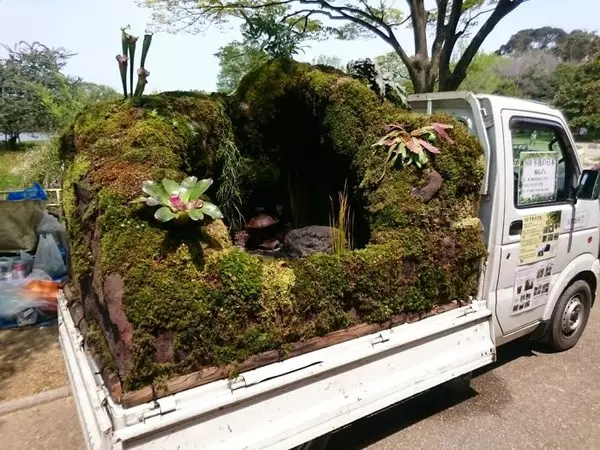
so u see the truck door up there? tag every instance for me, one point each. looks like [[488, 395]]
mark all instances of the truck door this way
[[537, 242]]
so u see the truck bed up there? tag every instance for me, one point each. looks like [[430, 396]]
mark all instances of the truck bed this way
[[288, 403]]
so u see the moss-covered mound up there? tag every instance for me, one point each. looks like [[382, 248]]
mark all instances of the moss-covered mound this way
[[174, 299]]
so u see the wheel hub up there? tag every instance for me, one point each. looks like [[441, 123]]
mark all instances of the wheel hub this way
[[572, 316]]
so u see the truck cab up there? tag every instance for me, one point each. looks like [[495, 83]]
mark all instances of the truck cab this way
[[540, 215]]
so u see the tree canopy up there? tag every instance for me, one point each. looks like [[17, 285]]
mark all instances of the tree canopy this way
[[577, 95], [34, 93], [576, 46], [536, 60], [25, 67], [236, 59], [448, 22], [527, 40]]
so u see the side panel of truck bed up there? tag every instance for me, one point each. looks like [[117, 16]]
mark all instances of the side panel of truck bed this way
[[285, 404]]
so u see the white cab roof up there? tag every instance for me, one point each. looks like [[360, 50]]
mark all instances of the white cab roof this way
[[498, 102]]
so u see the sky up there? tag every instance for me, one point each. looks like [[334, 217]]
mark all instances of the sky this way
[[91, 29]]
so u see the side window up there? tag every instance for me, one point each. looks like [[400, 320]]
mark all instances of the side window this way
[[543, 166]]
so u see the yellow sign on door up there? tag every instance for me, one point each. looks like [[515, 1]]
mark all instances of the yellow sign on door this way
[[539, 237]]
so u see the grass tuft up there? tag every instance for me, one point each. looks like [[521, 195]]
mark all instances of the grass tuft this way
[[342, 240]]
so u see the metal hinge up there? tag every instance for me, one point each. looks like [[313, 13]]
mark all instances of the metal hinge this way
[[237, 383], [161, 407], [488, 120], [471, 309], [380, 338]]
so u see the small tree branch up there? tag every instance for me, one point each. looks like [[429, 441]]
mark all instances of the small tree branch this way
[[503, 8], [470, 20], [436, 47]]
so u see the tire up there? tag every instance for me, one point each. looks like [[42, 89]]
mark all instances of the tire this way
[[570, 316]]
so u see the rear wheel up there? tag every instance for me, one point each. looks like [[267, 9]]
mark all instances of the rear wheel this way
[[570, 316]]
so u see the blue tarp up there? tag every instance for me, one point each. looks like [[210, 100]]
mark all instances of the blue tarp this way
[[35, 192]]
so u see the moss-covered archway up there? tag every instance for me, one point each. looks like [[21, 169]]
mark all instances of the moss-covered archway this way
[[171, 301]]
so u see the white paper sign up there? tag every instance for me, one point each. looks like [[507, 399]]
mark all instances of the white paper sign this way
[[538, 177], [532, 285]]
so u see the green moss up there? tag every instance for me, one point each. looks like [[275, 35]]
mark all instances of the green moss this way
[[319, 294], [96, 342], [238, 277], [291, 135], [144, 370], [80, 254]]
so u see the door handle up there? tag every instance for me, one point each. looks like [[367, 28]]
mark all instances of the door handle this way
[[515, 228]]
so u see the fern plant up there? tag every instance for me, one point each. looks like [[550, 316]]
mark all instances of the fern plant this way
[[412, 147]]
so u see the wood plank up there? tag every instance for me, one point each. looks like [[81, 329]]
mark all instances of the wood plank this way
[[209, 374]]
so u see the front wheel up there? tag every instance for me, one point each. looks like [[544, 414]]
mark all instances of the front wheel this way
[[570, 316]]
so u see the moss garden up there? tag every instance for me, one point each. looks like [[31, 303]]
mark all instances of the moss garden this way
[[321, 230]]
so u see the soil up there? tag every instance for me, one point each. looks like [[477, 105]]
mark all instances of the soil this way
[[45, 427], [30, 362]]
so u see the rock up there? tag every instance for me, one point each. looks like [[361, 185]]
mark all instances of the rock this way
[[427, 192], [305, 241]]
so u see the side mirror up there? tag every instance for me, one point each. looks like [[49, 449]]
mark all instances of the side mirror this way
[[589, 185]]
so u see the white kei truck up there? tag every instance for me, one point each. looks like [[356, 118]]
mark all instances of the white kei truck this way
[[540, 214]]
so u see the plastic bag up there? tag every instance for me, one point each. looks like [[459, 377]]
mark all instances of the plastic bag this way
[[50, 225], [35, 192], [28, 301], [48, 257], [27, 260]]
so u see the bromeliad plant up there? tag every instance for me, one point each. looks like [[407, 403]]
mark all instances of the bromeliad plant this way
[[179, 201], [413, 147]]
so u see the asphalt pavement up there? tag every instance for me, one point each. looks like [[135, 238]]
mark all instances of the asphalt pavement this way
[[528, 399]]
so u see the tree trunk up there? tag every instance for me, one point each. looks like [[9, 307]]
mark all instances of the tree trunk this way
[[450, 82], [423, 80], [418, 82], [12, 141]]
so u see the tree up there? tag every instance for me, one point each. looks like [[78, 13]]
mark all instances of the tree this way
[[26, 67], [579, 46], [485, 76], [236, 59], [576, 46], [577, 95], [449, 21], [71, 96], [534, 55], [263, 37], [20, 109], [533, 73], [528, 40]]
